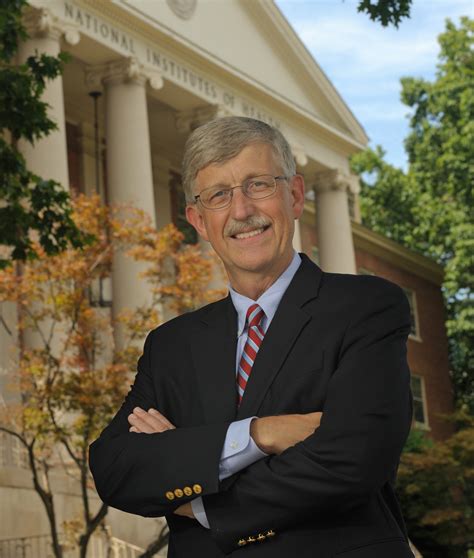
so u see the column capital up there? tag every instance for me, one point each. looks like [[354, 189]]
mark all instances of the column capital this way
[[41, 22], [334, 179], [299, 154], [122, 70], [189, 120]]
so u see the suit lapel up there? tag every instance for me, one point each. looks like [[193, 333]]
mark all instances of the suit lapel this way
[[286, 326], [214, 348]]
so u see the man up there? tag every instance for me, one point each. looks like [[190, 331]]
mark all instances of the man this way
[[270, 422]]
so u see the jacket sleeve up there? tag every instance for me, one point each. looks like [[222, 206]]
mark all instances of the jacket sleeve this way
[[356, 449], [153, 474]]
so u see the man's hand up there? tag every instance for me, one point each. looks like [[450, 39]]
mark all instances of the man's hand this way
[[148, 422], [185, 510], [275, 434]]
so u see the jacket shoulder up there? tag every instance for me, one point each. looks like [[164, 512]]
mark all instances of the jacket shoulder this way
[[187, 322], [362, 292]]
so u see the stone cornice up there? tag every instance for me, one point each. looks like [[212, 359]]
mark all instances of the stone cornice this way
[[41, 22], [387, 250], [120, 71], [395, 253]]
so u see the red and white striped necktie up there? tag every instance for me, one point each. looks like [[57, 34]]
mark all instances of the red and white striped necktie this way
[[255, 336]]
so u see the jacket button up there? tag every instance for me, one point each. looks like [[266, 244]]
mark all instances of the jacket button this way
[[261, 537], [197, 488], [188, 490], [242, 542], [270, 533], [170, 495], [178, 493]]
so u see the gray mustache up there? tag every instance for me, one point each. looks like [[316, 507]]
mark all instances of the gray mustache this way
[[234, 227]]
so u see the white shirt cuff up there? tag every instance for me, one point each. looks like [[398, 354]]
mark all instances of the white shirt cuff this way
[[239, 450], [199, 512]]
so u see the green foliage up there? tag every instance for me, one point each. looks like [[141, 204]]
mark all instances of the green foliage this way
[[10, 27], [430, 208], [436, 490], [387, 12], [30, 206], [417, 442]]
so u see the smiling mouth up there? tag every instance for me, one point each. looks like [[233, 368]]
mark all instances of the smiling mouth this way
[[249, 234]]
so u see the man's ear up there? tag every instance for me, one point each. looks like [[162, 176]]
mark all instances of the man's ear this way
[[297, 193], [195, 218]]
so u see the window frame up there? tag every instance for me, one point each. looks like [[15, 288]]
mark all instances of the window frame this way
[[412, 300], [423, 400]]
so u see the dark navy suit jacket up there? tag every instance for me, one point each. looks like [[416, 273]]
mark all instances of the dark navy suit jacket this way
[[336, 344]]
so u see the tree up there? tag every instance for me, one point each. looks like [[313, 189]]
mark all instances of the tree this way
[[69, 387], [31, 206], [387, 12], [436, 489], [430, 208]]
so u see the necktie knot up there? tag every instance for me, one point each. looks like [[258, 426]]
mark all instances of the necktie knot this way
[[254, 315]]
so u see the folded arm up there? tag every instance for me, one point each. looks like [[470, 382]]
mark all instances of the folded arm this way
[[367, 415], [183, 462]]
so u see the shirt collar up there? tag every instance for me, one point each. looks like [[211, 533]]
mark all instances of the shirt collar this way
[[268, 300]]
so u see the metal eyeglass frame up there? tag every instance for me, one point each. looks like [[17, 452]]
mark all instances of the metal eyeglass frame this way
[[231, 190]]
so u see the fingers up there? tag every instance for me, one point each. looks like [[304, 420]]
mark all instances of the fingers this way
[[161, 417], [314, 417], [148, 422], [139, 425], [315, 420]]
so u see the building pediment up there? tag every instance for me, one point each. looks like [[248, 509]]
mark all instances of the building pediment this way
[[254, 42]]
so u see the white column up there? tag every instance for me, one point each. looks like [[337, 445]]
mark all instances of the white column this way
[[297, 245], [301, 160], [335, 245], [129, 165], [48, 156]]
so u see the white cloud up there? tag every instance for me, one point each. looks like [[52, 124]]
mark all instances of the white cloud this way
[[355, 46]]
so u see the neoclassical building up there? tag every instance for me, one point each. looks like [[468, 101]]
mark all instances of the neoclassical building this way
[[142, 75]]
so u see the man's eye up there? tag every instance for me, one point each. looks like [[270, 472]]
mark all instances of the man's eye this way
[[217, 194], [259, 185]]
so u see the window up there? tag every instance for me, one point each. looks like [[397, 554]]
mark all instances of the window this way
[[12, 452], [420, 416], [178, 209], [100, 292], [415, 330]]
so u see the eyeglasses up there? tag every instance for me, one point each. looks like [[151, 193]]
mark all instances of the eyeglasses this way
[[256, 188]]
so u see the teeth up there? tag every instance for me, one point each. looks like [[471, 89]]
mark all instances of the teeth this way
[[249, 234]]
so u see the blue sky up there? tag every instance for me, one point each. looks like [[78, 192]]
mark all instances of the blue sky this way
[[366, 61]]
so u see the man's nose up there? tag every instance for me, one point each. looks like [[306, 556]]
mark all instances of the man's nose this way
[[241, 206]]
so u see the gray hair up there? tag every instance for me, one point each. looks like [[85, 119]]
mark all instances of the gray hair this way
[[222, 139]]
